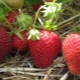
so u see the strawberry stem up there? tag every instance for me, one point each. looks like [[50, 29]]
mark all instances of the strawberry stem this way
[[36, 15]]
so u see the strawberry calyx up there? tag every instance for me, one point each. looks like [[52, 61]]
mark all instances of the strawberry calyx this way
[[24, 21], [49, 26], [34, 34], [14, 30]]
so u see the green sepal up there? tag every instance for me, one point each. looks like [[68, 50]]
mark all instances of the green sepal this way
[[24, 21], [34, 34], [19, 35], [17, 32], [49, 26]]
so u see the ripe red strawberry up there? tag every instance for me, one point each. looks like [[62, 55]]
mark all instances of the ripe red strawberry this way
[[5, 43], [46, 49], [11, 17], [20, 45], [71, 52]]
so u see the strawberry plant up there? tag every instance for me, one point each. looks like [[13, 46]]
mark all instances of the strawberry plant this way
[[44, 44], [19, 32], [45, 49], [51, 12], [16, 23]]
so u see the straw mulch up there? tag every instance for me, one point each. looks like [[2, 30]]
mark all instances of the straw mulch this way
[[21, 67]]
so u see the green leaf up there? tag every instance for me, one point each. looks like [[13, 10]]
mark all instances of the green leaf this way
[[19, 35]]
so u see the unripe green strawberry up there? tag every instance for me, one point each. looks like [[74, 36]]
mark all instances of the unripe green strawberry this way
[[15, 4], [46, 49], [5, 43], [71, 52]]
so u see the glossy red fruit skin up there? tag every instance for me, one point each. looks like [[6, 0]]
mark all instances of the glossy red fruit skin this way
[[45, 50], [11, 17], [71, 52], [20, 45], [5, 43]]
